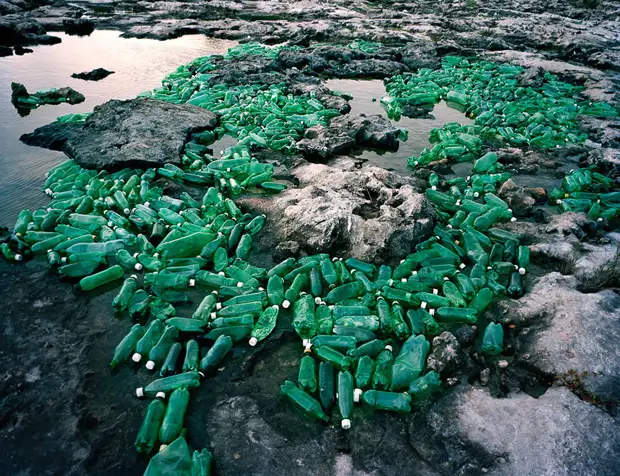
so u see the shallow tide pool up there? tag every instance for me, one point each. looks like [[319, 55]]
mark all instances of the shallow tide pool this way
[[139, 64]]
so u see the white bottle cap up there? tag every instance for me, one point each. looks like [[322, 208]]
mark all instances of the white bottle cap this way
[[140, 392], [162, 447], [213, 315], [253, 341], [445, 278], [126, 211], [150, 365], [261, 288], [317, 300], [147, 204], [402, 261], [489, 267], [423, 305], [110, 224], [221, 273], [389, 347], [431, 312], [413, 273], [357, 395], [403, 280], [286, 304], [160, 395], [138, 267], [214, 292], [435, 291], [192, 283], [434, 187], [239, 284], [275, 306], [18, 257], [218, 306], [513, 219], [462, 266], [63, 259], [134, 276], [135, 254], [521, 271], [346, 424], [476, 194], [136, 357], [155, 255]]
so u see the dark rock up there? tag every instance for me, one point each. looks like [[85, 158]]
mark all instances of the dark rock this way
[[344, 132], [465, 335], [606, 159], [286, 249], [532, 77], [80, 26], [18, 90], [445, 355], [521, 199], [371, 214], [94, 75], [5, 51], [20, 50], [52, 136], [137, 133]]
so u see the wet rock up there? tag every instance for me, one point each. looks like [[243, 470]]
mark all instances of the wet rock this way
[[5, 51], [485, 375], [445, 355], [286, 249], [606, 159], [94, 75], [51, 136], [20, 50], [580, 332], [80, 26], [470, 433], [532, 77], [371, 214], [521, 199], [604, 131], [518, 161], [344, 132], [137, 133], [54, 95], [17, 30]]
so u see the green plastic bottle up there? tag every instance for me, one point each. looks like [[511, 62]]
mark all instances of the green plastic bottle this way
[[222, 345], [370, 323], [493, 339], [305, 402], [201, 463], [102, 278], [174, 417], [126, 346], [123, 298], [328, 272], [192, 356], [482, 300], [454, 315], [344, 291], [388, 401], [275, 290], [283, 268], [247, 308], [232, 321], [206, 306], [167, 385], [291, 295], [265, 325], [329, 354], [363, 373], [451, 291], [515, 289], [159, 351], [307, 374], [148, 433], [345, 398], [169, 366], [423, 387], [410, 361], [304, 318], [327, 386], [148, 340], [523, 259], [381, 379]]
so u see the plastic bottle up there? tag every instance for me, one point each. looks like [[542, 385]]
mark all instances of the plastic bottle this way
[[206, 306], [167, 385], [409, 362], [515, 289], [327, 391], [381, 379], [493, 339], [138, 304], [123, 298], [174, 417], [222, 345], [160, 350], [292, 293], [147, 435], [345, 397], [192, 356], [308, 405], [523, 258], [307, 374], [423, 387], [201, 463], [265, 325], [343, 292], [125, 348], [148, 340], [456, 315], [482, 300], [388, 401], [339, 343], [169, 366], [328, 354], [328, 272], [304, 319], [247, 308], [364, 372], [103, 277]]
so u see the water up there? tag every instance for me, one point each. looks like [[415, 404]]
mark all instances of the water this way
[[364, 92], [139, 64]]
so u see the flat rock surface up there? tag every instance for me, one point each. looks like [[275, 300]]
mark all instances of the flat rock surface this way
[[136, 133]]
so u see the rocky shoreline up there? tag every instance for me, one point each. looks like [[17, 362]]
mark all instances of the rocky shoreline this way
[[551, 408]]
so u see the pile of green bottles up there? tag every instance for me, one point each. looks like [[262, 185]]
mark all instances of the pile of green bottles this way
[[588, 191], [75, 118], [264, 116], [504, 111]]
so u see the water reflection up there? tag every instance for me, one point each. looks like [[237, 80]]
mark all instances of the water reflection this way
[[139, 64], [366, 96]]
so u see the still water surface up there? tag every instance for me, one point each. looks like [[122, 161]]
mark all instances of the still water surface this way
[[139, 64]]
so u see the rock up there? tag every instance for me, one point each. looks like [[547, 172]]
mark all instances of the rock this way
[[5, 51], [52, 136], [469, 432], [20, 50], [445, 355], [532, 77], [94, 75], [286, 249], [604, 131], [605, 158], [137, 133], [80, 26], [580, 332], [520, 199], [52, 96], [371, 214], [344, 132], [485, 375], [18, 90]]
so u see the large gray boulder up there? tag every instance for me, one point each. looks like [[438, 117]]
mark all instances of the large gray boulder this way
[[370, 213], [137, 133], [578, 341], [471, 433]]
